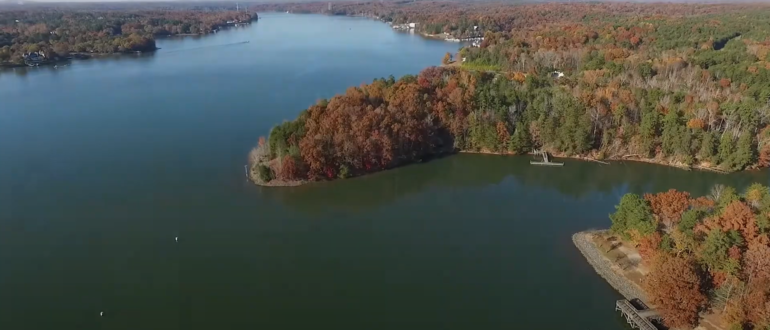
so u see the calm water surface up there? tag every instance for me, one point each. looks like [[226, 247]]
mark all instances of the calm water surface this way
[[104, 162]]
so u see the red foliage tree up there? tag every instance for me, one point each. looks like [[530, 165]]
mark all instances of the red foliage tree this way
[[648, 247], [703, 203], [289, 170], [736, 216], [668, 206], [675, 288]]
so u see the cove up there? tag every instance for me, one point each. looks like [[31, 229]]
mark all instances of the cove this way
[[104, 162]]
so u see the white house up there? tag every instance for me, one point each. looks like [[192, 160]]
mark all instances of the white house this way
[[557, 74]]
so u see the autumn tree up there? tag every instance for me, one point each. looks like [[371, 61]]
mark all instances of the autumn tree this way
[[649, 246], [675, 288], [757, 262], [668, 206], [757, 195], [447, 59], [289, 170]]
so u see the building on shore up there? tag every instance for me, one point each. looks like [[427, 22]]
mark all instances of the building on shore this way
[[34, 58]]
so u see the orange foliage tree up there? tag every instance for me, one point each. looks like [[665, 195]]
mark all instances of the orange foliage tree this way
[[447, 58], [674, 286], [736, 216], [648, 247], [668, 206]]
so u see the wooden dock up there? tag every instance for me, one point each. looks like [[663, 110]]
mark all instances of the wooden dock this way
[[639, 319], [545, 161]]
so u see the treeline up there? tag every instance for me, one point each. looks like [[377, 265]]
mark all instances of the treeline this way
[[645, 82], [460, 18], [60, 32], [706, 254]]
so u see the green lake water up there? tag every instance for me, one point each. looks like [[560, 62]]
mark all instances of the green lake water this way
[[104, 162]]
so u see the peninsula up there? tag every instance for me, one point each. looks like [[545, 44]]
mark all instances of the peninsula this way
[[674, 84], [698, 261]]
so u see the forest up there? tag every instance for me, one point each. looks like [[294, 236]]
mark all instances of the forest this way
[[708, 254], [59, 32], [676, 84]]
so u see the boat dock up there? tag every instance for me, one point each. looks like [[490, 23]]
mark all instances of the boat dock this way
[[546, 161], [637, 318]]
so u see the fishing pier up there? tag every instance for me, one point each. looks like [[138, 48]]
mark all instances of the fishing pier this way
[[637, 318]]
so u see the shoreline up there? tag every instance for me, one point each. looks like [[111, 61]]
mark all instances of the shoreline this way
[[75, 56], [608, 161], [584, 242], [618, 279]]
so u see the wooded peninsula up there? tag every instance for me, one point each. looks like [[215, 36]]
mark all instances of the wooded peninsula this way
[[47, 34], [675, 84], [703, 258]]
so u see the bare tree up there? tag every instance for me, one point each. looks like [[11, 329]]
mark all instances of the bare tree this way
[[716, 191]]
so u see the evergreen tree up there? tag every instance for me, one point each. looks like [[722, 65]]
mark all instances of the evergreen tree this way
[[745, 152], [726, 147], [670, 134], [707, 147], [633, 213], [647, 131], [520, 140]]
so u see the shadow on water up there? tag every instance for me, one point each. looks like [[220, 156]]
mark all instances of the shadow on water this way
[[576, 180]]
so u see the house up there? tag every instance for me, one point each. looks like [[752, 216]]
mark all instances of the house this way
[[412, 25], [34, 58], [557, 74]]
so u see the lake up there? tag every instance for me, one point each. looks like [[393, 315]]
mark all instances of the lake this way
[[104, 162]]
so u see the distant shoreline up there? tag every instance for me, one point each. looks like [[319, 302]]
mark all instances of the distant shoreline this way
[[74, 56]]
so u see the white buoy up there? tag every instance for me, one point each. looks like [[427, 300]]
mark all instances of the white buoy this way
[[101, 313], [176, 239]]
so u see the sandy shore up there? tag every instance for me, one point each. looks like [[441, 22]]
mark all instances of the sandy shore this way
[[584, 241]]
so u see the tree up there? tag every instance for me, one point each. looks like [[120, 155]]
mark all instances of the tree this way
[[447, 59], [757, 262], [633, 214], [675, 288], [647, 132], [690, 219], [520, 140], [670, 133], [265, 173], [715, 251], [746, 152], [726, 147], [668, 206], [740, 217], [708, 147], [757, 195], [289, 170], [648, 246]]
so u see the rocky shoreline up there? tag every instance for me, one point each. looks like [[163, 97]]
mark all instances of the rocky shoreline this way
[[583, 241]]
